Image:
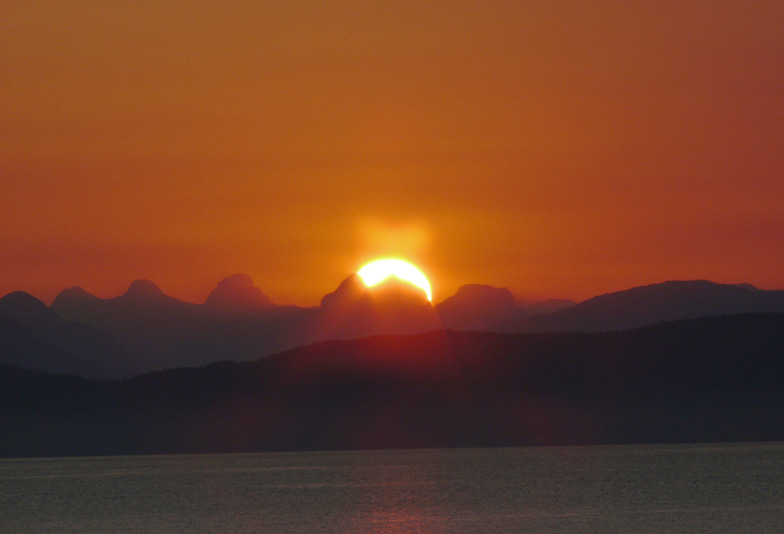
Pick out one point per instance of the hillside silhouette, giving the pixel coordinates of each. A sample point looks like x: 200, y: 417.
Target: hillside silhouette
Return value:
x: 32, y: 335
x: 656, y: 303
x: 479, y: 307
x: 238, y: 322
x: 354, y: 310
x: 237, y: 295
x: 144, y: 329
x: 711, y: 379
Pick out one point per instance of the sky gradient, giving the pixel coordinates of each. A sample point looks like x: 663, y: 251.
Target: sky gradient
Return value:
x: 561, y: 150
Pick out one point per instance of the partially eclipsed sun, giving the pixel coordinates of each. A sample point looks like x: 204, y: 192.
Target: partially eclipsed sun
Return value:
x: 377, y: 271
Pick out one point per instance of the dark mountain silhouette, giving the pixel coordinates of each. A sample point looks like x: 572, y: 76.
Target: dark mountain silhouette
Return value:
x: 711, y: 379
x: 354, y: 310
x: 148, y: 323
x: 347, y: 311
x: 403, y: 308
x: 479, y: 307
x: 652, y: 304
x: 73, y: 347
x: 238, y: 322
x: 483, y: 308
x: 146, y: 291
x: 237, y: 295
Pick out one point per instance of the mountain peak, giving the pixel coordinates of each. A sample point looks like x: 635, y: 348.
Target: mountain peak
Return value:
x: 481, y: 293
x: 67, y: 299
x: 238, y: 293
x: 350, y: 289
x: 144, y: 288
x: 20, y: 298
x: 478, y: 307
x: 393, y: 306
x: 21, y: 305
x: 74, y: 292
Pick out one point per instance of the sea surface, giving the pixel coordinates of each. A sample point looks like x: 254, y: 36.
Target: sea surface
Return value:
x: 715, y: 488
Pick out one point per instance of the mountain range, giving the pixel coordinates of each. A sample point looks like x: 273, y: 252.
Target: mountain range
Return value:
x: 698, y: 380
x: 144, y: 329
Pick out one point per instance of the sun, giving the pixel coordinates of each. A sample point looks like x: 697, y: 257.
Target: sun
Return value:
x: 377, y: 271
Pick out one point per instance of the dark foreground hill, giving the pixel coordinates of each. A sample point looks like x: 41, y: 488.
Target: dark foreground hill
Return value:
x: 713, y: 379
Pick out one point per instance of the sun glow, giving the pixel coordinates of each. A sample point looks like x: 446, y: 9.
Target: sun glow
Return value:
x: 377, y: 271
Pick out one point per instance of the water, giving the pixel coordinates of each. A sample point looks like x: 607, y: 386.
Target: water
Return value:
x: 653, y: 488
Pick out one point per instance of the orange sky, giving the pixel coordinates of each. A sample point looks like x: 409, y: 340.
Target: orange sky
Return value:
x: 560, y: 150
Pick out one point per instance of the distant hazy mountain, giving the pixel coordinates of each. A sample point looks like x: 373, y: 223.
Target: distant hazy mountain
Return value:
x: 237, y: 295
x: 483, y: 308
x: 479, y: 307
x: 239, y: 322
x: 652, y: 304
x: 712, y: 379
x: 50, y: 343
x: 148, y: 323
